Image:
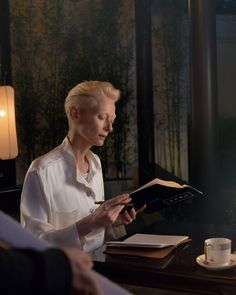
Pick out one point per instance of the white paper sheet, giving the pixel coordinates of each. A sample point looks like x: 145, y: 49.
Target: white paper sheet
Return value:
x: 108, y: 287
x: 12, y: 232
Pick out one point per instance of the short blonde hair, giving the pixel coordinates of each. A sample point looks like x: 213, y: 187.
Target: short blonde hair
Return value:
x: 86, y: 94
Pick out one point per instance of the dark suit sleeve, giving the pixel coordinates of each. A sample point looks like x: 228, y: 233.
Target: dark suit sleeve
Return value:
x: 33, y: 272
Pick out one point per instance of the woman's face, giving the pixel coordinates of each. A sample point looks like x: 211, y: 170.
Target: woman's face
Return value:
x: 94, y: 124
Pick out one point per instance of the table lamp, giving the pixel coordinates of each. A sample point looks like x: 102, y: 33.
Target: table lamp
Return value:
x: 8, y: 138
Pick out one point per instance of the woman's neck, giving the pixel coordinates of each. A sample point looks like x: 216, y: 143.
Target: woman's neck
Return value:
x: 80, y: 154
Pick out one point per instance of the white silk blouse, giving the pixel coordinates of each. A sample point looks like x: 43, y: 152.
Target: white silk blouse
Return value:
x: 56, y: 195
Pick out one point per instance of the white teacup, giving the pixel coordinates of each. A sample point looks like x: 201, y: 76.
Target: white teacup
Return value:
x: 217, y: 250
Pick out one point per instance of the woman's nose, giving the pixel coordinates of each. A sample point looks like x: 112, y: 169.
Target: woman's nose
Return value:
x: 108, y: 126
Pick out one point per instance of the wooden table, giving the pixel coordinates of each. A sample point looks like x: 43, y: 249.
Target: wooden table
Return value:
x: 179, y: 270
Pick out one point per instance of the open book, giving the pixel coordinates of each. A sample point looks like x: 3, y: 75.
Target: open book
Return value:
x: 159, y: 193
x: 149, y: 241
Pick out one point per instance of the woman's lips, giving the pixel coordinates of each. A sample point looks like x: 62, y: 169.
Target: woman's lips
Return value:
x: 102, y: 136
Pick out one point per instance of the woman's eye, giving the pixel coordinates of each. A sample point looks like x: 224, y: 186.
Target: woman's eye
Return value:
x: 101, y: 117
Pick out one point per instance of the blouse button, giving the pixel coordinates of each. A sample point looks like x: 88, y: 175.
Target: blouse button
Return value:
x: 91, y: 210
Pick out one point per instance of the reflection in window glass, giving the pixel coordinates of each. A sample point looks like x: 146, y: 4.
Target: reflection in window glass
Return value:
x: 171, y: 84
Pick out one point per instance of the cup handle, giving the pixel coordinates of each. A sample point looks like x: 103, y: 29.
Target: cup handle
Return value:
x: 206, y: 251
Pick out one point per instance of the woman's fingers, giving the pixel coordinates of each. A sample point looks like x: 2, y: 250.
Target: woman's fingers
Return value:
x: 119, y: 200
x: 127, y: 217
x: 141, y: 208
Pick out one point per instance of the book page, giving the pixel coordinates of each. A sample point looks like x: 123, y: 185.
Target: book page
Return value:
x: 185, y: 185
x: 161, y: 182
x: 149, y: 241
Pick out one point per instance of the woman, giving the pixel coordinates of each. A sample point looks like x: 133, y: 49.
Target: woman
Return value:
x: 61, y: 187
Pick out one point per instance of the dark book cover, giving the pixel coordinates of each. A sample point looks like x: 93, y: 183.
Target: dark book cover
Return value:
x: 159, y: 194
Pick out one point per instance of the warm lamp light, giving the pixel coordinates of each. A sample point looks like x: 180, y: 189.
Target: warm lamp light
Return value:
x: 8, y: 138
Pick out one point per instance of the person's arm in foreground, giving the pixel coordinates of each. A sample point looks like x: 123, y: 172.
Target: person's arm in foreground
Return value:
x: 53, y: 271
x: 82, y: 281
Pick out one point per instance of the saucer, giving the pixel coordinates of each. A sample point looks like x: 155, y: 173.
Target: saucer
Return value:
x: 213, y: 266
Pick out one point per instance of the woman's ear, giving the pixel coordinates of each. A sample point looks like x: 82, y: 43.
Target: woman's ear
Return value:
x: 74, y: 114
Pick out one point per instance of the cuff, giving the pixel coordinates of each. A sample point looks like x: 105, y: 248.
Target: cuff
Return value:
x: 114, y: 233
x: 66, y: 236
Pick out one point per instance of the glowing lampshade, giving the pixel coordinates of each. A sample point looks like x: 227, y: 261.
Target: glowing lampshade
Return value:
x: 8, y: 138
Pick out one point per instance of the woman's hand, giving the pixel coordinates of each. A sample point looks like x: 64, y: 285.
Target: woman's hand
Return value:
x: 106, y: 214
x: 127, y: 217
